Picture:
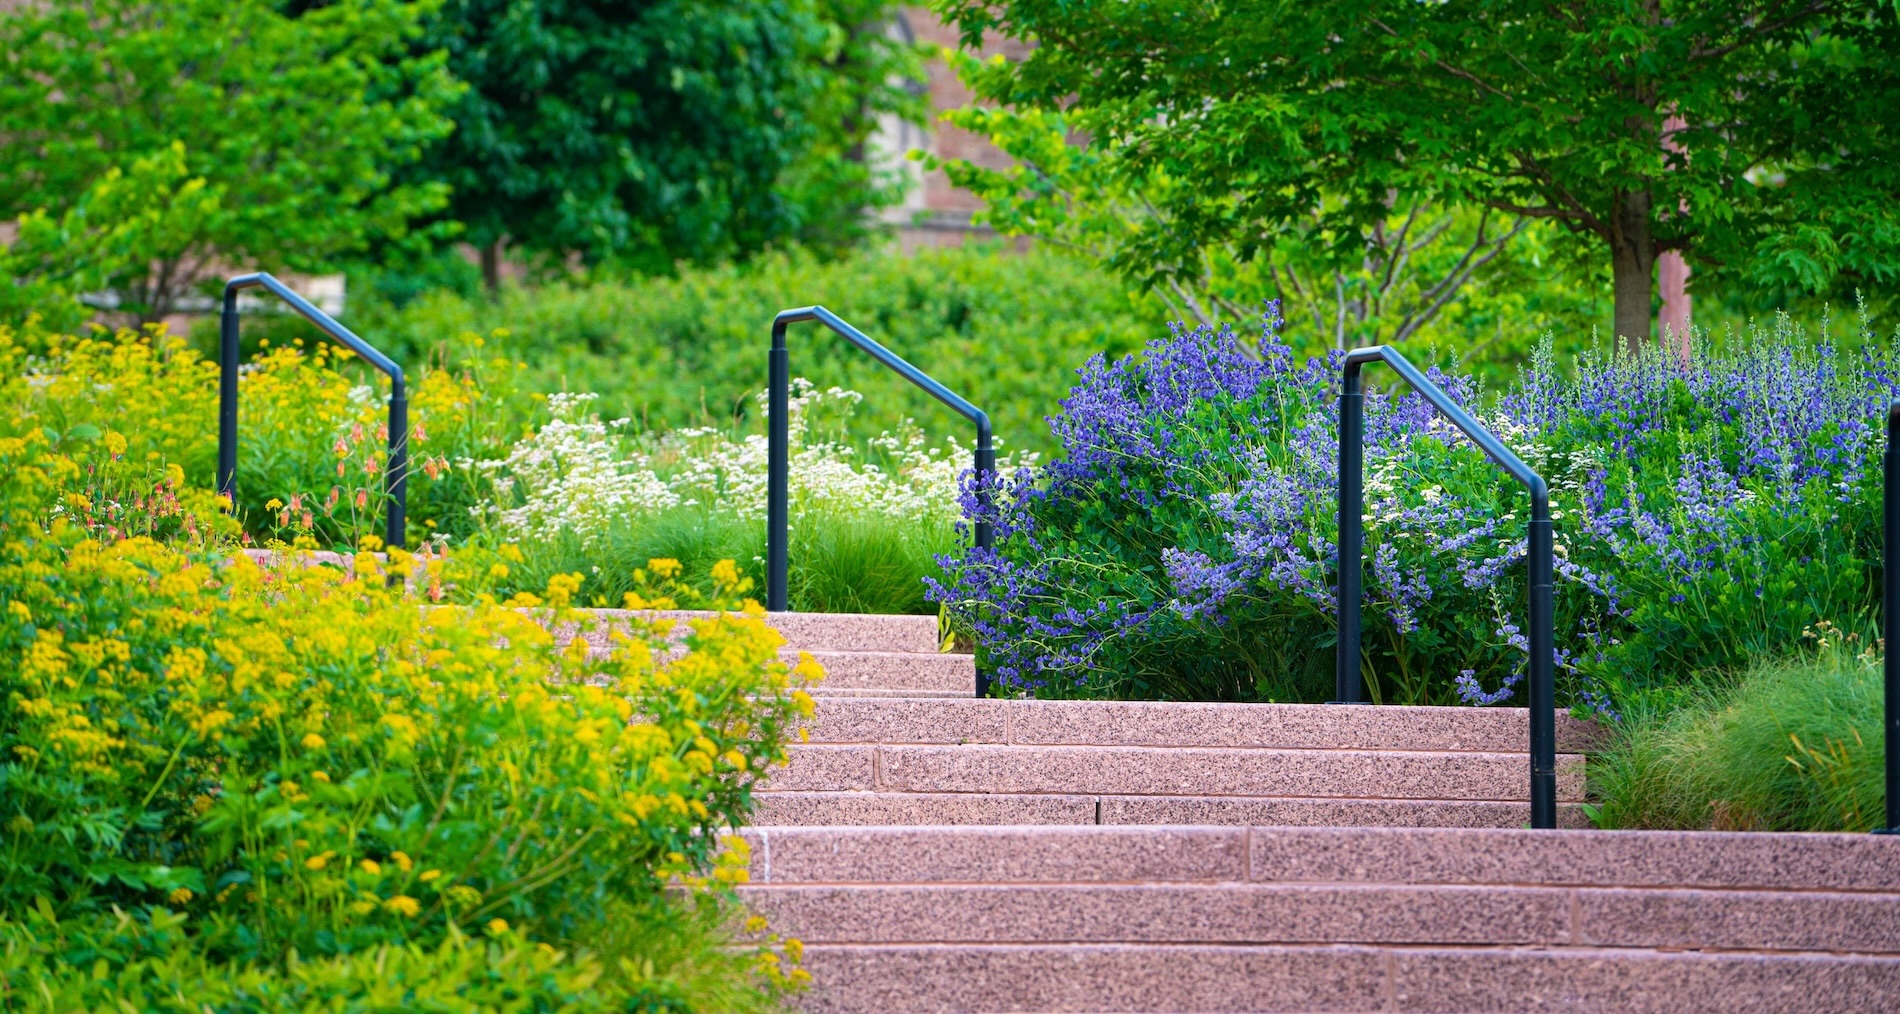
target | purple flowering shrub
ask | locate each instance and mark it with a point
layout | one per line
(1182, 545)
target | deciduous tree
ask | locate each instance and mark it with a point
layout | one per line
(1757, 137)
(293, 123)
(651, 132)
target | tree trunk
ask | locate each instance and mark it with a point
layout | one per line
(1633, 268)
(491, 266)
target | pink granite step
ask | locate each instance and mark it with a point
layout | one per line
(871, 674)
(1093, 762)
(893, 672)
(1164, 771)
(1327, 977)
(1412, 914)
(802, 631)
(1677, 860)
(776, 809)
(1178, 724)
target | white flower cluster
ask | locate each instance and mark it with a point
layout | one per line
(570, 475)
(581, 475)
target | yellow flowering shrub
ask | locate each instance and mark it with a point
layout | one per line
(204, 760)
(313, 434)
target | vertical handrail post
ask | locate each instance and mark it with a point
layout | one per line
(984, 478)
(1543, 688)
(396, 477)
(778, 467)
(228, 396)
(1347, 688)
(1889, 622)
(1541, 560)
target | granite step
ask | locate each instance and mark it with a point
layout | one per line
(1328, 977)
(880, 673)
(1180, 724)
(1168, 771)
(968, 761)
(1408, 914)
(1712, 860)
(830, 632)
(820, 809)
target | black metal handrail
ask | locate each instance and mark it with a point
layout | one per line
(1543, 719)
(1889, 623)
(395, 477)
(778, 490)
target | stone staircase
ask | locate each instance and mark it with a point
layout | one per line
(935, 852)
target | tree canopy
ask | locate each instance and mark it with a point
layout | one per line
(646, 133)
(280, 132)
(1757, 138)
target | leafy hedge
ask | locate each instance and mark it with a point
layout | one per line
(1004, 330)
(1707, 510)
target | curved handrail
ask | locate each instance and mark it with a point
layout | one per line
(1541, 559)
(395, 476)
(778, 491)
(1889, 623)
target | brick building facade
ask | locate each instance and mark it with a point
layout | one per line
(935, 213)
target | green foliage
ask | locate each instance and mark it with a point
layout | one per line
(840, 561)
(1005, 330)
(1478, 283)
(668, 957)
(645, 134)
(292, 127)
(106, 238)
(1751, 137)
(1793, 744)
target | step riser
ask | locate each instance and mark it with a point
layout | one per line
(782, 809)
(1145, 978)
(1169, 772)
(1238, 913)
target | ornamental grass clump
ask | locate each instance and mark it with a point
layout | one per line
(1791, 744)
(1706, 508)
(266, 781)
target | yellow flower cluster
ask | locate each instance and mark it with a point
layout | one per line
(324, 753)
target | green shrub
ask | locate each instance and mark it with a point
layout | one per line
(670, 957)
(1794, 744)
